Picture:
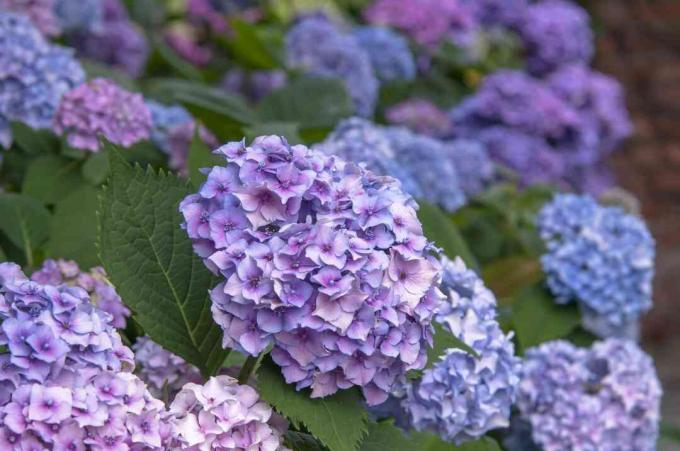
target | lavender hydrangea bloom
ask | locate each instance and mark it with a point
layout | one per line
(162, 370)
(79, 15)
(603, 398)
(389, 53)
(364, 143)
(40, 12)
(179, 143)
(498, 12)
(316, 46)
(421, 116)
(35, 74)
(163, 120)
(600, 257)
(428, 22)
(321, 259)
(429, 164)
(555, 33)
(473, 165)
(253, 85)
(462, 396)
(224, 415)
(101, 292)
(100, 107)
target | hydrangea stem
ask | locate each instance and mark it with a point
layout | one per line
(247, 369)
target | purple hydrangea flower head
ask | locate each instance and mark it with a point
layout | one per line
(599, 99)
(601, 258)
(100, 107)
(183, 40)
(40, 12)
(464, 396)
(473, 165)
(79, 15)
(98, 287)
(253, 85)
(163, 120)
(162, 370)
(421, 116)
(427, 160)
(221, 414)
(603, 398)
(505, 13)
(389, 53)
(556, 33)
(35, 74)
(365, 143)
(316, 46)
(208, 12)
(54, 333)
(428, 22)
(179, 143)
(321, 259)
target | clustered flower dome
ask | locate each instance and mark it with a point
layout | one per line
(323, 260)
(600, 257)
(316, 46)
(100, 107)
(79, 15)
(464, 396)
(505, 13)
(224, 415)
(99, 289)
(389, 53)
(161, 370)
(603, 398)
(40, 12)
(421, 116)
(164, 119)
(35, 75)
(472, 163)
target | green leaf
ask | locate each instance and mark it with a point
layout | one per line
(537, 318)
(443, 340)
(150, 260)
(385, 436)
(338, 421)
(289, 130)
(431, 442)
(34, 141)
(508, 275)
(200, 156)
(95, 69)
(3, 257)
(25, 221)
(299, 441)
(670, 432)
(50, 178)
(96, 168)
(252, 46)
(177, 63)
(440, 229)
(312, 103)
(73, 232)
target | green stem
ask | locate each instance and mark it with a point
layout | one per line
(247, 369)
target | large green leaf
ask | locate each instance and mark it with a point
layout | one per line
(508, 275)
(96, 168)
(50, 178)
(150, 260)
(299, 441)
(431, 442)
(289, 130)
(200, 156)
(440, 229)
(177, 63)
(34, 141)
(537, 318)
(74, 228)
(338, 421)
(25, 221)
(385, 436)
(253, 45)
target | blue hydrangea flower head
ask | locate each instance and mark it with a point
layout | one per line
(40, 12)
(463, 396)
(471, 159)
(164, 119)
(600, 257)
(389, 53)
(316, 46)
(79, 15)
(603, 398)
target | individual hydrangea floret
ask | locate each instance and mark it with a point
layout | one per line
(556, 33)
(161, 370)
(603, 398)
(35, 73)
(473, 165)
(428, 22)
(389, 53)
(322, 260)
(430, 165)
(463, 396)
(316, 46)
(98, 287)
(100, 107)
(53, 333)
(601, 258)
(79, 15)
(40, 12)
(224, 415)
(365, 143)
(253, 85)
(421, 116)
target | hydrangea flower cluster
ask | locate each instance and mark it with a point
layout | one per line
(555, 33)
(318, 47)
(463, 396)
(40, 12)
(323, 260)
(600, 257)
(498, 12)
(161, 369)
(34, 77)
(117, 42)
(253, 85)
(79, 15)
(389, 53)
(603, 398)
(224, 415)
(100, 107)
(100, 290)
(183, 40)
(428, 22)
(164, 119)
(472, 163)
(53, 333)
(421, 116)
